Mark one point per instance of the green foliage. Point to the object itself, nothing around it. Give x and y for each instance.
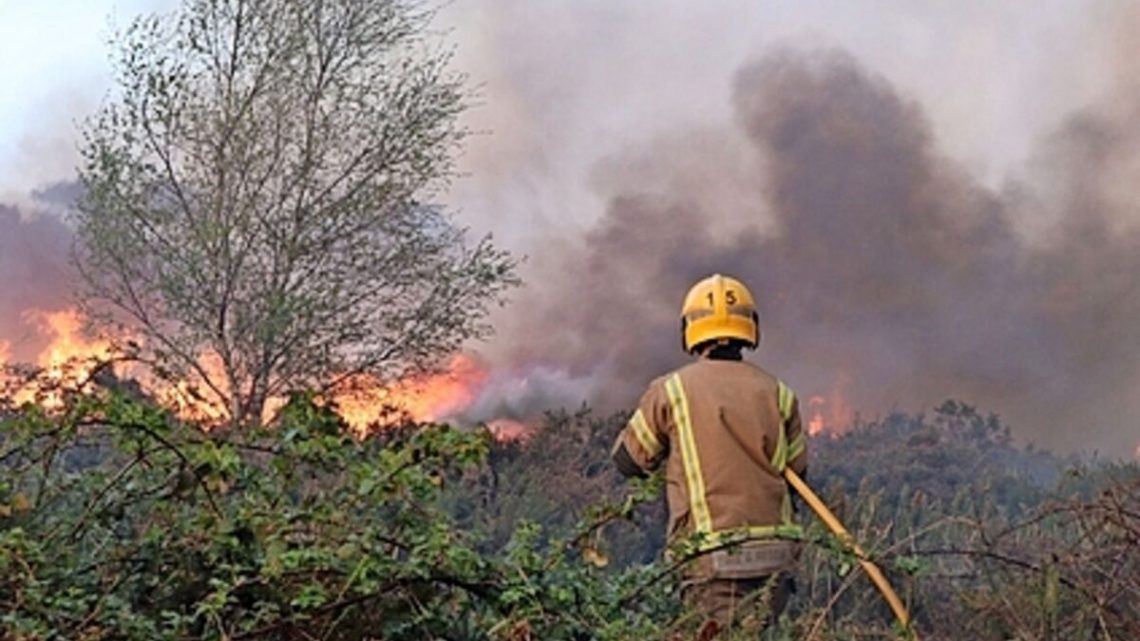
(178, 533)
(965, 524)
(119, 522)
(561, 477)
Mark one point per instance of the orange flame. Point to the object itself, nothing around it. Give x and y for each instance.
(68, 360)
(422, 398)
(68, 343)
(831, 415)
(192, 398)
(362, 400)
(508, 429)
(815, 423)
(70, 356)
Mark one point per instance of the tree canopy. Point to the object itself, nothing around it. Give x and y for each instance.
(258, 216)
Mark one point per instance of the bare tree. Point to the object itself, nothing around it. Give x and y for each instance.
(255, 198)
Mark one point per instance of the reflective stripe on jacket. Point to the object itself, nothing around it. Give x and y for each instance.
(724, 430)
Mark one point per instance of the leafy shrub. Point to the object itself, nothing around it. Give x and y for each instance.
(119, 522)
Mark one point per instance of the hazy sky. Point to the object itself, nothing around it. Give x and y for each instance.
(53, 70)
(593, 76)
(573, 81)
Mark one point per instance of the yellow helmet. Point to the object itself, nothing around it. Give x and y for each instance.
(719, 308)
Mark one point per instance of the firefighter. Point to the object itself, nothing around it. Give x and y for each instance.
(724, 430)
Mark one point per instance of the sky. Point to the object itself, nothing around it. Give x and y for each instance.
(601, 76)
(993, 76)
(55, 70)
(583, 104)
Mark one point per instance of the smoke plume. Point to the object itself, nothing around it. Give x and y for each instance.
(908, 231)
(36, 274)
(886, 275)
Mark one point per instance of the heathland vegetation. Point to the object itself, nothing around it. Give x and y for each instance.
(120, 521)
(255, 239)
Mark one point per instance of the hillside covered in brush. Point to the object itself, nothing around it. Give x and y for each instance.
(119, 521)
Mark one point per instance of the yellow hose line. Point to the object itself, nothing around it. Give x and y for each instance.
(833, 523)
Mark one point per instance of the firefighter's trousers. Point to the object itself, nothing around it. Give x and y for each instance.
(743, 608)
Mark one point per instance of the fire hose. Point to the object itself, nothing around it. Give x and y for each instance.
(836, 526)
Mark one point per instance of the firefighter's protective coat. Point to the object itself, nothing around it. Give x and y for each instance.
(724, 430)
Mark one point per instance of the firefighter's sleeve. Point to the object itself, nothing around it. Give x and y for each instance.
(791, 443)
(797, 441)
(643, 442)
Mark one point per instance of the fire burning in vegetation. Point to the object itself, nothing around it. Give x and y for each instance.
(826, 185)
(831, 415)
(428, 397)
(193, 398)
(68, 342)
(71, 356)
(68, 360)
(815, 423)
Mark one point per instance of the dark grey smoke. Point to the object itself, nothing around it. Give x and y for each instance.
(35, 274)
(883, 271)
